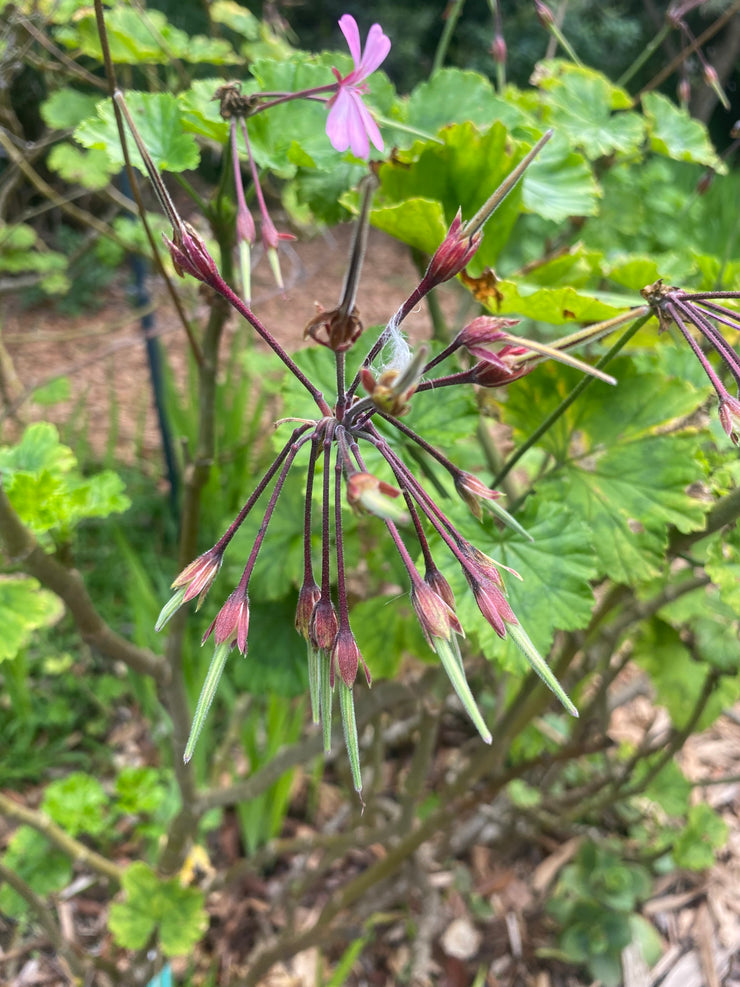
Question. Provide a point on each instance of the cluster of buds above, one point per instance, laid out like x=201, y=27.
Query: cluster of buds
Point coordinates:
x=334, y=441
x=702, y=312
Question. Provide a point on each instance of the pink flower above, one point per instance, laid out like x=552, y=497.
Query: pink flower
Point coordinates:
x=350, y=124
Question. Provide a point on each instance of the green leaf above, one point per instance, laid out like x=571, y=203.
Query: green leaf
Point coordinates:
x=696, y=846
x=92, y=169
x=137, y=38
x=559, y=183
x=159, y=121
x=66, y=107
x=78, y=803
x=140, y=790
x=626, y=482
x=236, y=18
x=276, y=660
x=199, y=111
x=461, y=173
x=456, y=96
x=174, y=912
x=580, y=104
x=53, y=392
x=723, y=566
x=554, y=305
x=25, y=607
x=675, y=134
x=556, y=568
x=44, y=868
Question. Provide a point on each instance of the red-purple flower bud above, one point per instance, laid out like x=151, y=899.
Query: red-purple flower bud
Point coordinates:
x=487, y=374
x=324, y=625
x=190, y=255
x=729, y=416
x=481, y=331
x=493, y=605
x=544, y=14
x=232, y=622
x=199, y=575
x=434, y=578
x=435, y=616
x=472, y=490
x=345, y=657
x=453, y=254
x=498, y=49
x=308, y=597
x=684, y=91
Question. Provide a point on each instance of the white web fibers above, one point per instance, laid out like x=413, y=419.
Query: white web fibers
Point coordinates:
x=396, y=353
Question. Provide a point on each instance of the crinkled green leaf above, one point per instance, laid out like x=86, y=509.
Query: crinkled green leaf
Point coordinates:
x=25, y=607
x=554, y=592
x=696, y=845
x=66, y=107
x=677, y=678
x=635, y=271
x=92, y=169
x=200, y=111
x=559, y=183
x=714, y=625
x=158, y=118
x=139, y=37
x=675, y=134
x=420, y=223
x=723, y=566
x=174, y=912
x=78, y=803
x=44, y=868
x=461, y=173
x=140, y=789
x=626, y=482
x=580, y=104
x=41, y=482
x=456, y=96
x=22, y=250
x=554, y=305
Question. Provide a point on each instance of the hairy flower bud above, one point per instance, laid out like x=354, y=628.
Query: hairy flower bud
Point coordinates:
x=324, y=624
x=493, y=605
x=190, y=255
x=437, y=619
x=366, y=493
x=481, y=331
x=729, y=416
x=498, y=49
x=197, y=577
x=231, y=625
x=307, y=599
x=472, y=490
x=453, y=254
x=434, y=578
x=345, y=656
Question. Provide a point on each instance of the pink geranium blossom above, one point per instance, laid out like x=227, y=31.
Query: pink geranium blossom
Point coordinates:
x=350, y=124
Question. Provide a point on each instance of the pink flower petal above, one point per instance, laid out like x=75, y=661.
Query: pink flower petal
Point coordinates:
x=376, y=51
x=351, y=32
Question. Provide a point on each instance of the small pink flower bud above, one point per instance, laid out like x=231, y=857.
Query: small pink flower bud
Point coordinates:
x=710, y=76
x=308, y=597
x=729, y=416
x=453, y=254
x=684, y=91
x=493, y=605
x=498, y=49
x=366, y=493
x=472, y=490
x=544, y=14
x=232, y=622
x=434, y=578
x=324, y=625
x=508, y=368
x=190, y=255
x=199, y=575
x=437, y=619
x=345, y=657
x=485, y=329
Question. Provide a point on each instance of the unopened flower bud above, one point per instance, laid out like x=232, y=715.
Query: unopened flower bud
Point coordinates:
x=484, y=330
x=544, y=14
x=437, y=619
x=366, y=492
x=472, y=491
x=498, y=49
x=684, y=91
x=434, y=578
x=324, y=624
x=198, y=576
x=307, y=599
x=453, y=254
x=345, y=656
x=729, y=416
x=190, y=254
x=493, y=605
x=231, y=625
